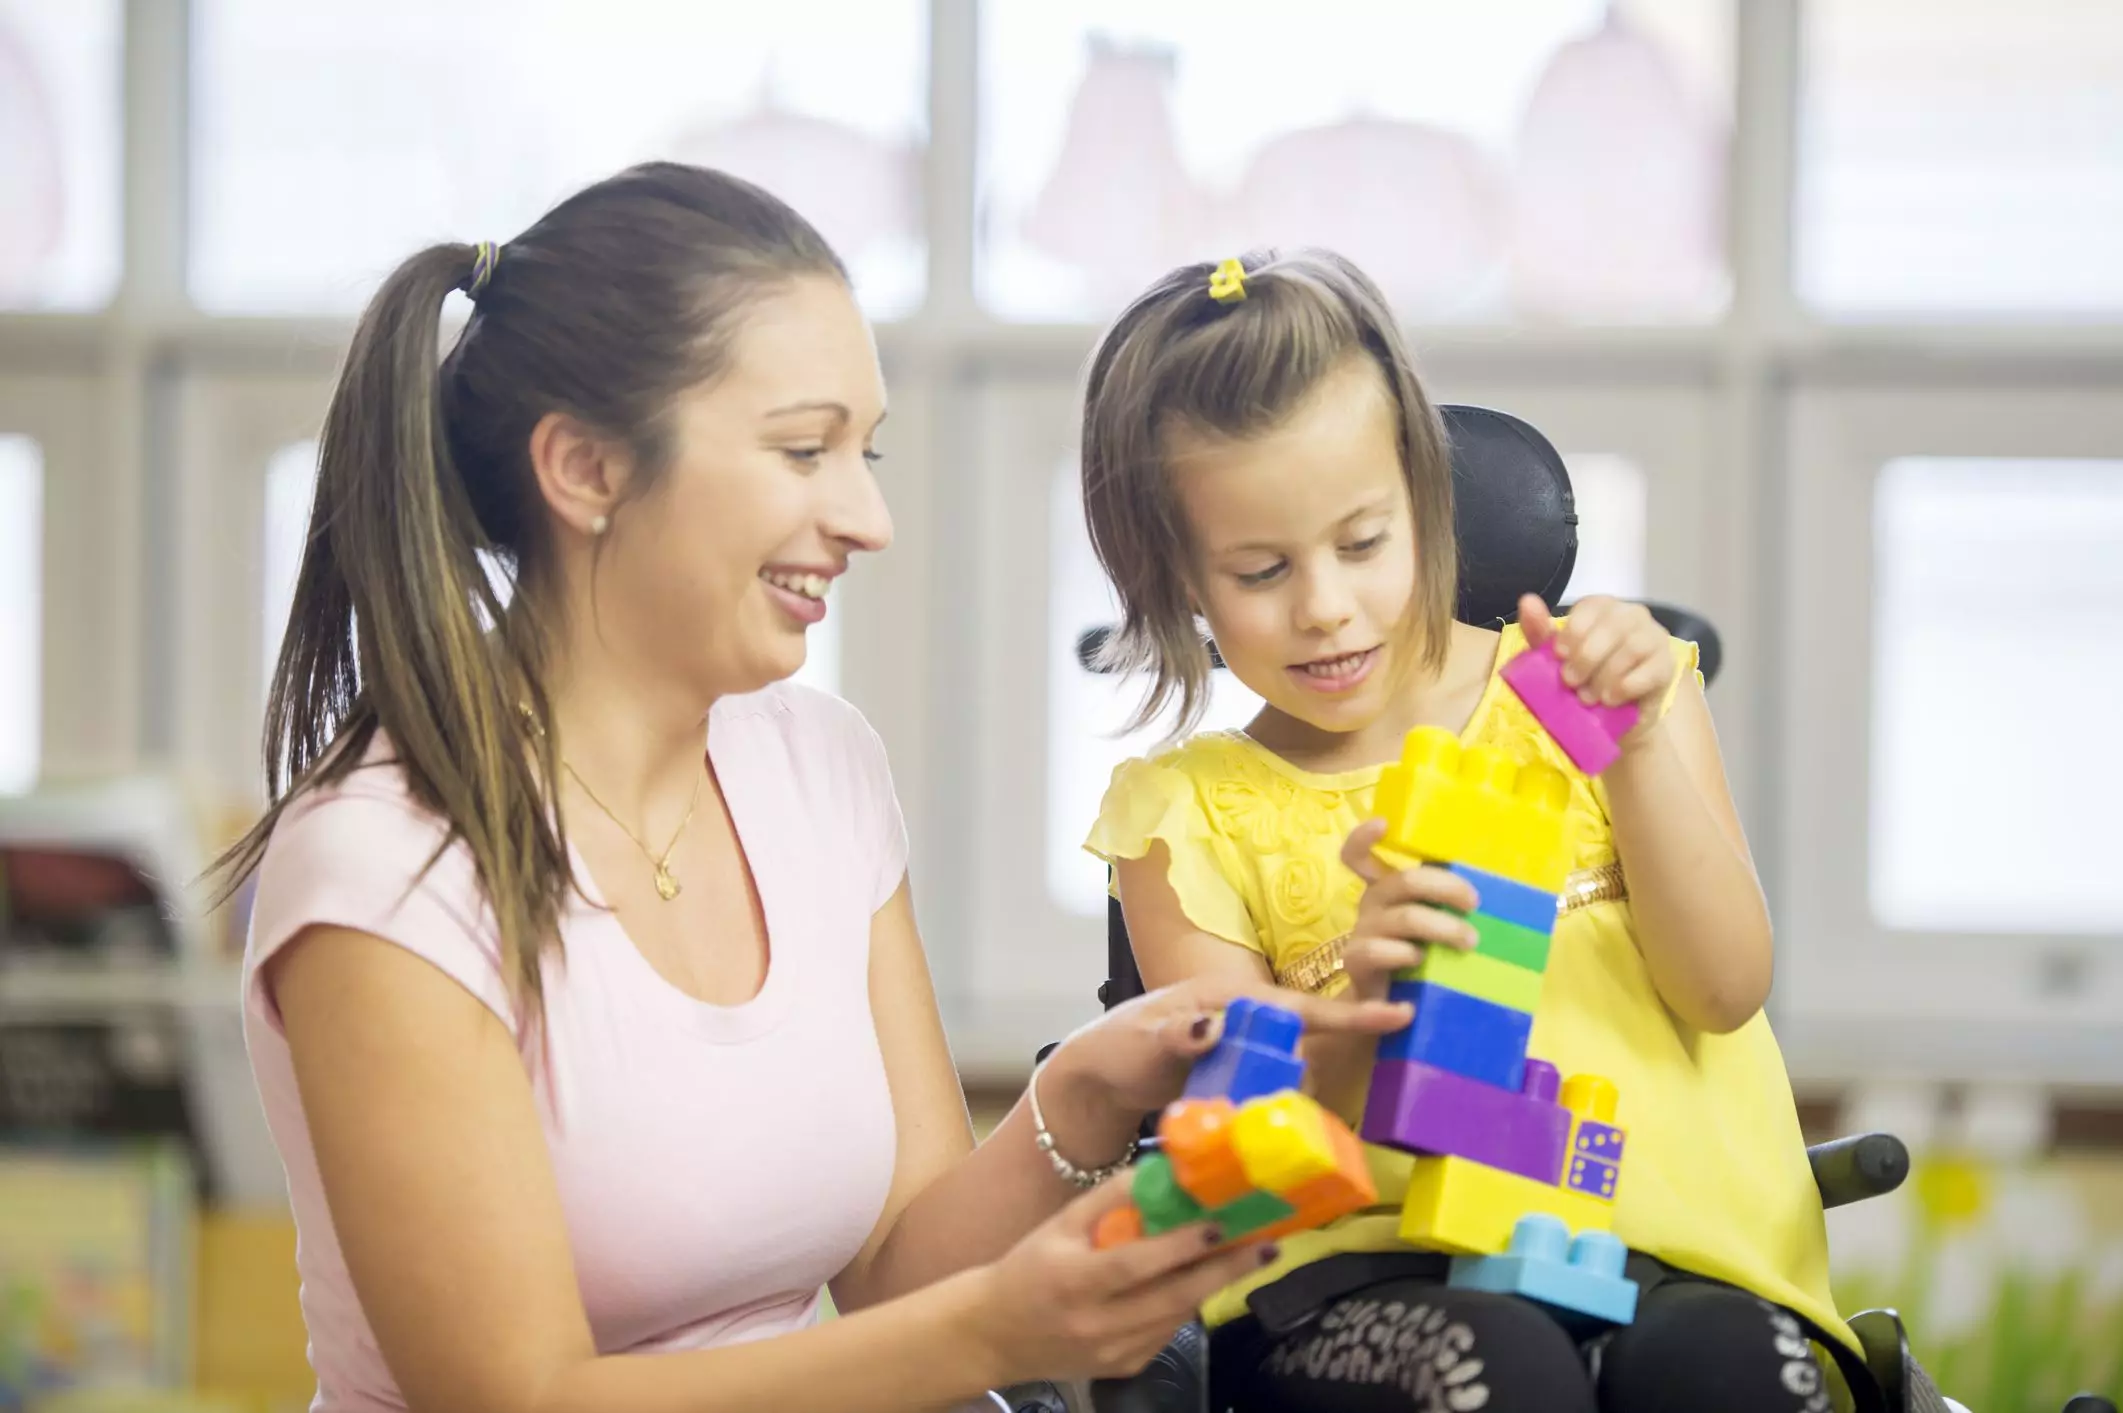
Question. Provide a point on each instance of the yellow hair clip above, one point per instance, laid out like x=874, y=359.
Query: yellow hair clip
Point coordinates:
x=1227, y=285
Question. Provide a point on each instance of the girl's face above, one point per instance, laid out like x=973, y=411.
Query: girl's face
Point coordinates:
x=1304, y=550
x=726, y=559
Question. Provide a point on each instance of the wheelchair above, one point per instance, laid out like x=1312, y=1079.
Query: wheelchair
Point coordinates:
x=1516, y=521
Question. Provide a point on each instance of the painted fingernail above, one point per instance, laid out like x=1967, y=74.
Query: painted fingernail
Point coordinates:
x=1200, y=1029
x=1270, y=1254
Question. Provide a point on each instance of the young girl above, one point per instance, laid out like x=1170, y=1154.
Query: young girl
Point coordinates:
x=1258, y=456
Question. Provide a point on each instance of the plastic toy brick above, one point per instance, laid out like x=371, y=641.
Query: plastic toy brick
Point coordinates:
x=1195, y=1137
x=1591, y=1096
x=1159, y=1197
x=1462, y=1033
x=1253, y=1215
x=1474, y=805
x=1510, y=942
x=1418, y=1109
x=1472, y=974
x=1543, y=1264
x=1455, y=1204
x=1118, y=1227
x=1590, y=735
x=1257, y=1054
x=1595, y=1151
x=1509, y=901
x=1305, y=1155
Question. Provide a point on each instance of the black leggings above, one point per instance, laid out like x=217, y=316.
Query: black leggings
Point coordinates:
x=1411, y=1346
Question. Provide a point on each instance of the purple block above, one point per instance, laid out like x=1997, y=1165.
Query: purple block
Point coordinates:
x=1589, y=735
x=1421, y=1109
x=1541, y=1081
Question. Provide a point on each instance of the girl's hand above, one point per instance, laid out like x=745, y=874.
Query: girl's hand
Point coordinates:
x=1402, y=912
x=1134, y=1059
x=1611, y=652
x=1054, y=1307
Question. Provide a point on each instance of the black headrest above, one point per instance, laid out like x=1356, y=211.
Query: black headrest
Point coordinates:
x=1513, y=511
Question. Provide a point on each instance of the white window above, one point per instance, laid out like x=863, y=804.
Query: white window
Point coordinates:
x=290, y=484
x=60, y=74
x=1961, y=157
x=1086, y=712
x=21, y=611
x=333, y=138
x=1613, y=507
x=1995, y=588
x=1470, y=157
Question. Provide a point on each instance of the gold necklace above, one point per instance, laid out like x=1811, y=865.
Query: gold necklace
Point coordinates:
x=666, y=885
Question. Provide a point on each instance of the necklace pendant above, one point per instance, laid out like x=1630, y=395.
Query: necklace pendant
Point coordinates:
x=666, y=885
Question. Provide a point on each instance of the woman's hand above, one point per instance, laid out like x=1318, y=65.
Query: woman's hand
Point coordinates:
x=1612, y=652
x=1054, y=1307
x=1134, y=1059
x=1401, y=912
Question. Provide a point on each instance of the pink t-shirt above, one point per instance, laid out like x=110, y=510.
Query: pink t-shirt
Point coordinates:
x=716, y=1164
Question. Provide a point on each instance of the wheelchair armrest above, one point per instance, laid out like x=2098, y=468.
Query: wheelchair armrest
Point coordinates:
x=1863, y=1165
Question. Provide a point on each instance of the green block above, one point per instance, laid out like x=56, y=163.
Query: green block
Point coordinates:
x=1159, y=1197
x=1249, y=1214
x=1508, y=942
x=1478, y=975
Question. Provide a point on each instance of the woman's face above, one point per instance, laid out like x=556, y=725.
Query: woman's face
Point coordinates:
x=721, y=567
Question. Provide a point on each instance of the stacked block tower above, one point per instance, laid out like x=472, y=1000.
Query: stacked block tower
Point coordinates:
x=1244, y=1146
x=1516, y=1167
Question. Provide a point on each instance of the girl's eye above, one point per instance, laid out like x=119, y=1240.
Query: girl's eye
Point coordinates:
x=1367, y=545
x=1261, y=576
x=805, y=456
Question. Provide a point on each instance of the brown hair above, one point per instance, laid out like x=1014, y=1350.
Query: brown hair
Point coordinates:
x=619, y=299
x=1177, y=357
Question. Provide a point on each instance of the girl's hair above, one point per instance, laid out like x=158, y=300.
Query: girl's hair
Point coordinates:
x=619, y=299
x=1179, y=359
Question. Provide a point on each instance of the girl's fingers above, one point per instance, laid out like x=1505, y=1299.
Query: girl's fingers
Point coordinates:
x=1356, y=851
x=1586, y=647
x=1535, y=621
x=1647, y=681
x=1424, y=925
x=1380, y=956
x=1425, y=883
x=1607, y=683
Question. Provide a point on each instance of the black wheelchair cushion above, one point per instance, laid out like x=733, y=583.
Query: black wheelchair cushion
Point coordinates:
x=1513, y=513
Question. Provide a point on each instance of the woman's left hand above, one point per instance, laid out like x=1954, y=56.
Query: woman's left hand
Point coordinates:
x=1611, y=652
x=1134, y=1059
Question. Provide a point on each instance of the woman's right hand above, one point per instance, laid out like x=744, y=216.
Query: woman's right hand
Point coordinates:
x=1055, y=1307
x=1401, y=912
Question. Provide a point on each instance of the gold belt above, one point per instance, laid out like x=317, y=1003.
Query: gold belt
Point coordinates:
x=1315, y=970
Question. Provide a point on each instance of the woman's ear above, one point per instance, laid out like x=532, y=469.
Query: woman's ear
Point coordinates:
x=581, y=476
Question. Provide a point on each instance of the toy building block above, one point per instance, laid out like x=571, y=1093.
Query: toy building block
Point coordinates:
x=1195, y=1135
x=1306, y=1156
x=1462, y=1033
x=1118, y=1227
x=1595, y=1141
x=1458, y=1205
x=1543, y=1264
x=1164, y=1204
x=1419, y=1109
x=1474, y=805
x=1509, y=901
x=1473, y=974
x=1511, y=942
x=1257, y=1054
x=1590, y=735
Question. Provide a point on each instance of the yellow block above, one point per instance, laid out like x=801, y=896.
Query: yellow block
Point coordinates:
x=1461, y=1206
x=1476, y=806
x=1282, y=1141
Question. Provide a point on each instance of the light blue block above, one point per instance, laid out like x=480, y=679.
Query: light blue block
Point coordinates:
x=1545, y=1265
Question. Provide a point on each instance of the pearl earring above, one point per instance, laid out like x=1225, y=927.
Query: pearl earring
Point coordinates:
x=599, y=525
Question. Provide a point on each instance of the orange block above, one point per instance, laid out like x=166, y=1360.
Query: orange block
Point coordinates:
x=1117, y=1228
x=1196, y=1137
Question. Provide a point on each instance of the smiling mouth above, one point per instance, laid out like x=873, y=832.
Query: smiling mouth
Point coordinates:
x=1333, y=669
x=810, y=586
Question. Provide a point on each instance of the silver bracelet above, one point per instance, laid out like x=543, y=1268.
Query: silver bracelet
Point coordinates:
x=1066, y=1170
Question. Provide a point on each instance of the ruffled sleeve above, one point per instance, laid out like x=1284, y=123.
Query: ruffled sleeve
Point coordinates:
x=1152, y=802
x=1687, y=658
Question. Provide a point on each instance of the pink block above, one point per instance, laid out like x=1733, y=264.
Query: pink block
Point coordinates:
x=1589, y=735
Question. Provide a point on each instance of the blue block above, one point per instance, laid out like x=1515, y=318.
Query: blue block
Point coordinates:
x=1501, y=898
x=1545, y=1265
x=1256, y=1055
x=1464, y=1034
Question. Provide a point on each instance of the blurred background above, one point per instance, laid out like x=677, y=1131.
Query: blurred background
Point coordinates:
x=1821, y=299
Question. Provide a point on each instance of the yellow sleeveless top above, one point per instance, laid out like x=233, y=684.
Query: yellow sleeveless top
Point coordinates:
x=1716, y=1179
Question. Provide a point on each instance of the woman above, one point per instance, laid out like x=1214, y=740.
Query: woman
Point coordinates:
x=583, y=989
